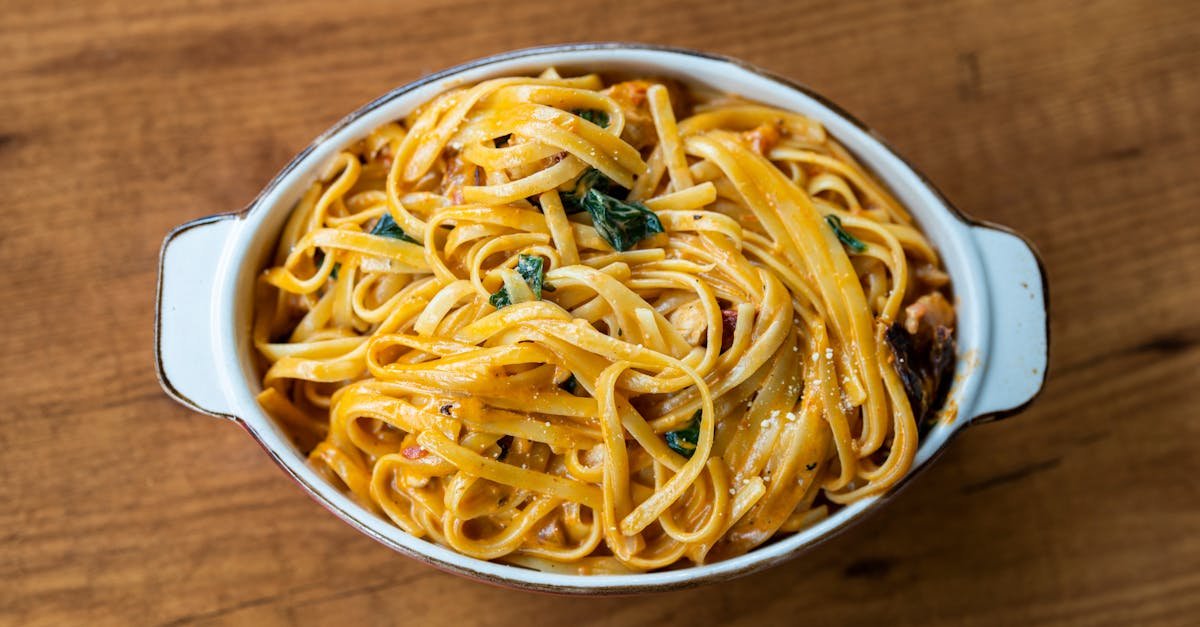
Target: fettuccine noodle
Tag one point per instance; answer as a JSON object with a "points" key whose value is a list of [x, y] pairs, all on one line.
{"points": [[602, 327]]}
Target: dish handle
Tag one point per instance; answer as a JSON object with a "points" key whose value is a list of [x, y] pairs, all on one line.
{"points": [[184, 332], [1018, 354]]}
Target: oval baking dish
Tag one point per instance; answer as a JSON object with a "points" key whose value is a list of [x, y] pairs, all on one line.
{"points": [[208, 267]]}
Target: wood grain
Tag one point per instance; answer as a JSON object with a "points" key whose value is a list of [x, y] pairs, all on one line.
{"points": [[1074, 122]]}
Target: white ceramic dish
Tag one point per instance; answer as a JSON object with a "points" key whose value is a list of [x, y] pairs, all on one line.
{"points": [[208, 266]]}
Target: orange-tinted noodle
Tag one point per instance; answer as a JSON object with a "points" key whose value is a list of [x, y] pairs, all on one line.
{"points": [[602, 327]]}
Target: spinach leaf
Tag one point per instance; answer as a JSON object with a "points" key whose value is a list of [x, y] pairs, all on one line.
{"points": [[851, 242], [595, 116], [591, 179], [500, 299], [683, 441], [387, 227], [530, 268], [621, 224]]}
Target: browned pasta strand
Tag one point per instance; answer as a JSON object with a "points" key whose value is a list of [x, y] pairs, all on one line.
{"points": [[602, 326]]}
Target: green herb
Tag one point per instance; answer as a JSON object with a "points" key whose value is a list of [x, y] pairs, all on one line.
{"points": [[500, 299], [569, 385], [595, 116], [530, 268], [621, 224], [684, 440], [573, 201], [502, 140], [387, 227], [851, 242]]}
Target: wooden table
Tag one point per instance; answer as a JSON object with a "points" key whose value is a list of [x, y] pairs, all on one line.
{"points": [[1073, 122]]}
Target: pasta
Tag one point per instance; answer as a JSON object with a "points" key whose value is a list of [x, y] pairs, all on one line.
{"points": [[603, 326]]}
